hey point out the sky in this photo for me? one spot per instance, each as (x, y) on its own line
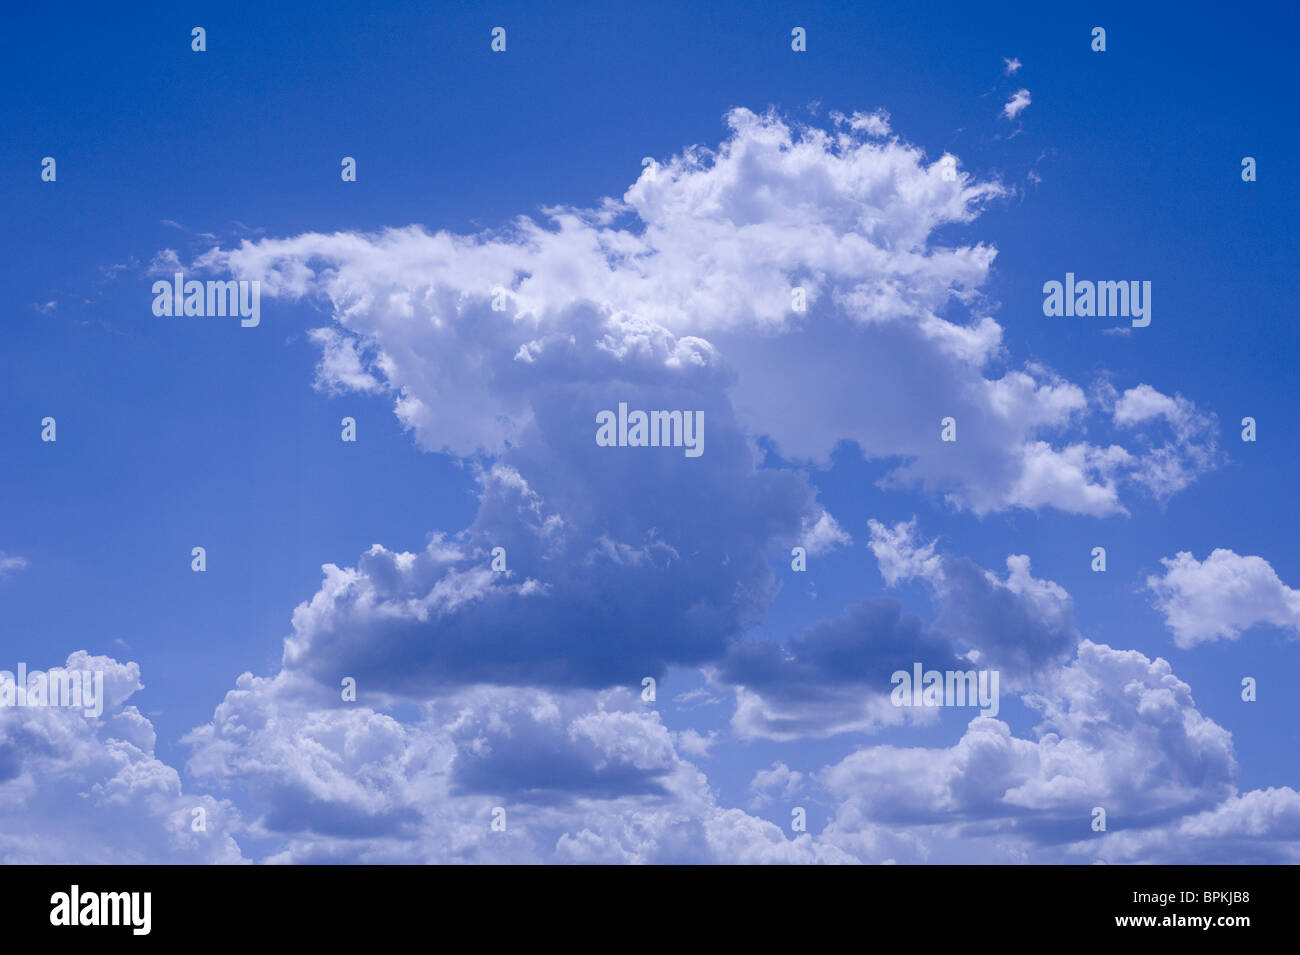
(619, 207)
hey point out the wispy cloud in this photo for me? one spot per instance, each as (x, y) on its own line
(1016, 105)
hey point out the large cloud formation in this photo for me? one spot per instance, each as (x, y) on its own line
(502, 347)
(791, 286)
(77, 788)
(687, 288)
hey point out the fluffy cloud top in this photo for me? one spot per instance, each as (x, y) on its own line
(582, 777)
(751, 277)
(76, 789)
(1120, 731)
(1218, 598)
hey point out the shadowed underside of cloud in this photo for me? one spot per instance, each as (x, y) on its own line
(581, 777)
(596, 777)
(832, 678)
(836, 676)
(681, 295)
(1021, 626)
(584, 601)
(1261, 827)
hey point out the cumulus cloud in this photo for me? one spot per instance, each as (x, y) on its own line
(873, 124)
(1166, 464)
(902, 555)
(689, 281)
(609, 593)
(1119, 731)
(78, 789)
(693, 744)
(499, 348)
(1218, 598)
(824, 534)
(342, 367)
(833, 677)
(778, 781)
(1261, 827)
(595, 777)
(582, 777)
(1019, 624)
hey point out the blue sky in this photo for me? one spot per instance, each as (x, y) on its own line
(177, 432)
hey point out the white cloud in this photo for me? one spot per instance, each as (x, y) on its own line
(833, 711)
(82, 790)
(1220, 597)
(693, 744)
(165, 262)
(1016, 105)
(694, 550)
(1257, 827)
(1119, 731)
(901, 556)
(1019, 624)
(835, 676)
(680, 293)
(691, 273)
(779, 781)
(582, 777)
(1168, 467)
(873, 124)
(824, 535)
(1144, 402)
(341, 366)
